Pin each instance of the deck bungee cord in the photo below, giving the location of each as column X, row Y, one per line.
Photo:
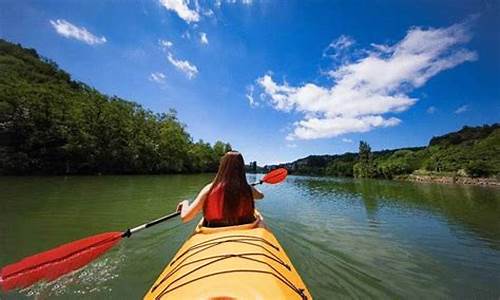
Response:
column 212, row 243
column 238, row 240
column 299, row 291
column 219, row 258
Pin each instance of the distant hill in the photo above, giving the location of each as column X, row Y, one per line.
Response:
column 465, row 135
column 471, row 151
column 51, row 124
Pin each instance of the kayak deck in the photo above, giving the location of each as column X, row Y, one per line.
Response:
column 237, row 262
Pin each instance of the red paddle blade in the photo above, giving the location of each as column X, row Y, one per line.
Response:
column 275, row 176
column 51, row 264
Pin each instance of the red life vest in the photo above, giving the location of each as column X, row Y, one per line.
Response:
column 213, row 210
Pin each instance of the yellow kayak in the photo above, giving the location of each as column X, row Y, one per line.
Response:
column 236, row 262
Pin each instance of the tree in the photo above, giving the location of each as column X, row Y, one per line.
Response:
column 478, row 168
column 364, row 168
column 174, row 144
column 400, row 162
column 365, row 152
column 221, row 148
column 253, row 166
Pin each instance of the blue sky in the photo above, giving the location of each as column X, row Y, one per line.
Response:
column 280, row 80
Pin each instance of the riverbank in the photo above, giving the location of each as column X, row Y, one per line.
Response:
column 443, row 179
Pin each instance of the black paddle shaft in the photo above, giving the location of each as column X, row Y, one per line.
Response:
column 257, row 183
column 128, row 232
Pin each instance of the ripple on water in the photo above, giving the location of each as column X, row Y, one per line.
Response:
column 358, row 266
column 92, row 279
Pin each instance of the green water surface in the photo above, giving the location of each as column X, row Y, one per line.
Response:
column 348, row 238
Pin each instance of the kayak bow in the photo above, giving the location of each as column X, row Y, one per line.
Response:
column 234, row 262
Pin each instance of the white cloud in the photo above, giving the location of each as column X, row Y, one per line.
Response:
column 291, row 145
column 349, row 141
column 209, row 12
column 68, row 30
column 315, row 128
column 249, row 96
column 339, row 50
column 184, row 66
column 165, row 44
column 203, row 38
column 218, row 3
column 462, row 109
column 364, row 91
column 157, row 77
column 182, row 9
column 431, row 110
column 341, row 43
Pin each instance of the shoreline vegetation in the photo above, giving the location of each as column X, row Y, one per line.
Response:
column 450, row 179
column 468, row 156
column 53, row 125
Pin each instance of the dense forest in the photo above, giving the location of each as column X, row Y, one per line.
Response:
column 472, row 152
column 51, row 124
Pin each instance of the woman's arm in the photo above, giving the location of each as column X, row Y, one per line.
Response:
column 188, row 212
column 256, row 193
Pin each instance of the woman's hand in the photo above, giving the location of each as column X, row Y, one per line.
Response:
column 184, row 203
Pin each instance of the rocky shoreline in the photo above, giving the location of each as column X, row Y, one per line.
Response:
column 480, row 181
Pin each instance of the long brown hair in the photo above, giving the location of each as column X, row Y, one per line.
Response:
column 235, row 186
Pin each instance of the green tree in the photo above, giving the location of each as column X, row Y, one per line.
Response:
column 174, row 144
column 202, row 157
column 400, row 162
column 364, row 168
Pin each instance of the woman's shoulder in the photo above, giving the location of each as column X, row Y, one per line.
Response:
column 207, row 187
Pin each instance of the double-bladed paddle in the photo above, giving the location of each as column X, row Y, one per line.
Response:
column 54, row 263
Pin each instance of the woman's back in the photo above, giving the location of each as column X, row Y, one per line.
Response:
column 225, row 207
column 228, row 200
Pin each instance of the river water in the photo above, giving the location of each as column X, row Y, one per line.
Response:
column 348, row 238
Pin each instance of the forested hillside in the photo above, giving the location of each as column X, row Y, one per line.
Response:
column 472, row 151
column 51, row 124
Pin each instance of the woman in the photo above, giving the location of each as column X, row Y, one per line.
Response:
column 228, row 200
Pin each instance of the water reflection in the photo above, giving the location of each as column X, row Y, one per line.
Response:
column 477, row 209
